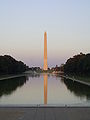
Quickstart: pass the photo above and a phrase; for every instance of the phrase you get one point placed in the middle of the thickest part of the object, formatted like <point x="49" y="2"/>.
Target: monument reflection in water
<point x="45" y="77"/>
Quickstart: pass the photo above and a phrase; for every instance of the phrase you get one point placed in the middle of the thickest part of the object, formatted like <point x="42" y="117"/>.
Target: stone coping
<point x="46" y="106"/>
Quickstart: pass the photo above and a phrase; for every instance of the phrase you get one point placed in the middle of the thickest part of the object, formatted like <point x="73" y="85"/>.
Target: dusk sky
<point x="23" y="23"/>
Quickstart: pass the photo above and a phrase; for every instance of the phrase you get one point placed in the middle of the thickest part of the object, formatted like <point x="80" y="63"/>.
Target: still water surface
<point x="43" y="89"/>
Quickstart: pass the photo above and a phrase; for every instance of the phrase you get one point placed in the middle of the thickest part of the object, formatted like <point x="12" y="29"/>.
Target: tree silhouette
<point x="78" y="64"/>
<point x="9" y="65"/>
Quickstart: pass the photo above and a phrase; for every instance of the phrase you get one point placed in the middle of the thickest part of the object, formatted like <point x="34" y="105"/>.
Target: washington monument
<point x="45" y="52"/>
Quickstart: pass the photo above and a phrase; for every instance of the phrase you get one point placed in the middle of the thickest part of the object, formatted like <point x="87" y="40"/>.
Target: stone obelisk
<point x="45" y="52"/>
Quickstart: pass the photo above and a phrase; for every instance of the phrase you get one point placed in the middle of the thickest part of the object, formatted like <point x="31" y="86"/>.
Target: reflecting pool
<point x="45" y="89"/>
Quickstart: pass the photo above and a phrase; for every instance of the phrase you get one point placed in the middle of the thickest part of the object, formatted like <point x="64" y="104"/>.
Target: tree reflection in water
<point x="10" y="85"/>
<point x="78" y="89"/>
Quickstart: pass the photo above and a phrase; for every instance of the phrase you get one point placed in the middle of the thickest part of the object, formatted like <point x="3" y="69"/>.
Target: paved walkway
<point x="73" y="79"/>
<point x="45" y="113"/>
<point x="12" y="76"/>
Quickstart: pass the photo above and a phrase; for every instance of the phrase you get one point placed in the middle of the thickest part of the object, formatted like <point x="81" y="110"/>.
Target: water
<point x="45" y="89"/>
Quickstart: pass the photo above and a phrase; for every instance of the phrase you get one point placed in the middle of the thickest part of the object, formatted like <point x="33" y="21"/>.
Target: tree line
<point x="8" y="65"/>
<point x="78" y="64"/>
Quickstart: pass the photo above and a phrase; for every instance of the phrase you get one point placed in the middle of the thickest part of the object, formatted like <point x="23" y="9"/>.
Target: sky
<point x="23" y="23"/>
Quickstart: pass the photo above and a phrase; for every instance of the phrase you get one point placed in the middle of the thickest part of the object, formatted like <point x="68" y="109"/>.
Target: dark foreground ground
<point x="45" y="113"/>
